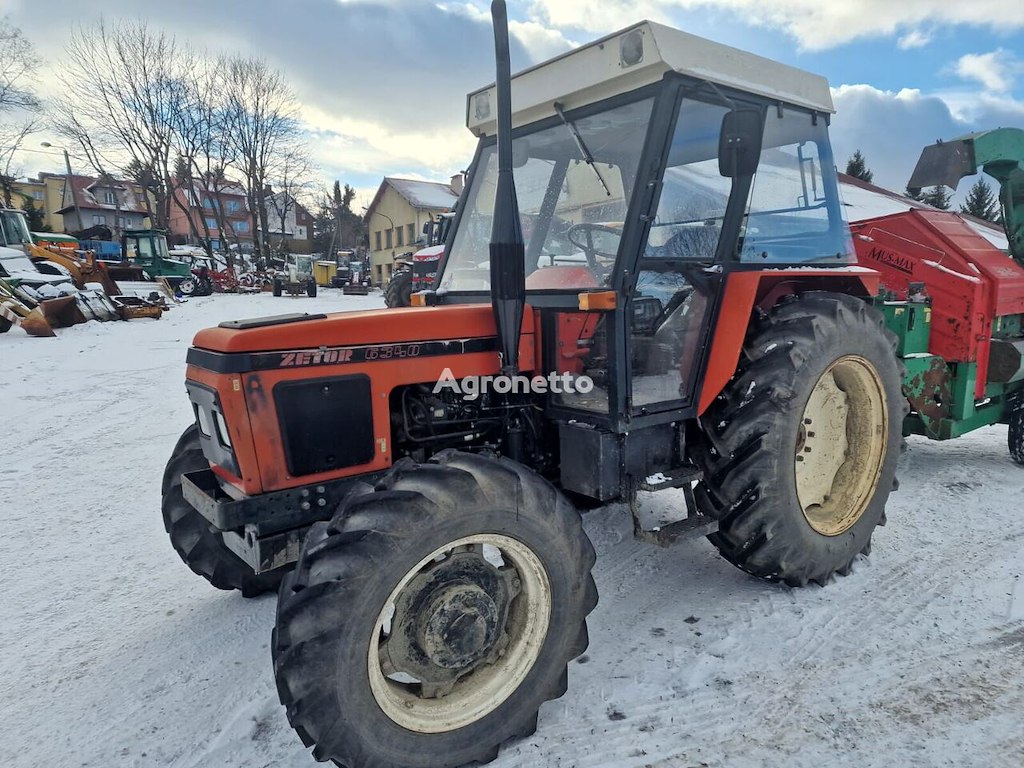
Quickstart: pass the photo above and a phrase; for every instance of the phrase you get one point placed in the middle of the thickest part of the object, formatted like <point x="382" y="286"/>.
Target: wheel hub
<point x="449" y="621"/>
<point x="460" y="626"/>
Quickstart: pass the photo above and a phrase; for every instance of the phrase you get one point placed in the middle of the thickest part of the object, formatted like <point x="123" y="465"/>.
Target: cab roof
<point x="637" y="56"/>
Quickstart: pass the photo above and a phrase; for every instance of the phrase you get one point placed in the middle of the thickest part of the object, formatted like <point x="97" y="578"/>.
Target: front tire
<point x="311" y="289"/>
<point x="400" y="641"/>
<point x="276" y="287"/>
<point x="398" y="292"/>
<point x="201" y="546"/>
<point x="799" y="451"/>
<point x="188" y="286"/>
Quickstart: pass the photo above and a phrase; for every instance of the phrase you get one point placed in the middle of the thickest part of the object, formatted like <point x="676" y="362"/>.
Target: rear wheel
<point x="1015" y="434"/>
<point x="430" y="619"/>
<point x="398" y="292"/>
<point x="800" y="450"/>
<point x="197" y="542"/>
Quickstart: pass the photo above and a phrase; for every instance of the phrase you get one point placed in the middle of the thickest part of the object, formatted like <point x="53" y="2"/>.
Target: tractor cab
<point x="665" y="163"/>
<point x="146" y="249"/>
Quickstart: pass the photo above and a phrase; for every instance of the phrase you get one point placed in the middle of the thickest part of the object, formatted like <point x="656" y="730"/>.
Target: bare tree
<point x="12" y="137"/>
<point x="292" y="181"/>
<point x="122" y="88"/>
<point x="18" y="67"/>
<point x="262" y="114"/>
<point x="201" y="140"/>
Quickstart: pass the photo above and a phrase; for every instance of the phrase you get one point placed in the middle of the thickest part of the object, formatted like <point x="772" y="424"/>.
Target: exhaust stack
<point x="507" y="250"/>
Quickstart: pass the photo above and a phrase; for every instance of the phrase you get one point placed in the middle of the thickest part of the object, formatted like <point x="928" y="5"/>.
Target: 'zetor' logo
<point x="471" y="387"/>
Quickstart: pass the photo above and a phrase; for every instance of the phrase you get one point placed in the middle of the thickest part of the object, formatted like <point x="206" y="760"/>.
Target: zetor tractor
<point x="684" y="312"/>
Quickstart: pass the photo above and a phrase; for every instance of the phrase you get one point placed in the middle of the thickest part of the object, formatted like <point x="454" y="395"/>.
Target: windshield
<point x="794" y="214"/>
<point x="161" y="247"/>
<point x="15" y="230"/>
<point x="571" y="211"/>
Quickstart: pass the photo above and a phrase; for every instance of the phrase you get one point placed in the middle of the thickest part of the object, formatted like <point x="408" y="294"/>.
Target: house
<point x="201" y="206"/>
<point x="46" y="192"/>
<point x="289" y="224"/>
<point x="28" y="193"/>
<point x="115" y="203"/>
<point x="396" y="217"/>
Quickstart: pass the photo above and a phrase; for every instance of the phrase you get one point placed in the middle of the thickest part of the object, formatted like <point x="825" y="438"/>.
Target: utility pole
<point x="69" y="184"/>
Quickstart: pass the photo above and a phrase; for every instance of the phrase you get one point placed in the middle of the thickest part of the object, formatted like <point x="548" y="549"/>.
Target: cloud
<point x="816" y="25"/>
<point x="916" y="38"/>
<point x="892" y="127"/>
<point x="541" y="42"/>
<point x="994" y="70"/>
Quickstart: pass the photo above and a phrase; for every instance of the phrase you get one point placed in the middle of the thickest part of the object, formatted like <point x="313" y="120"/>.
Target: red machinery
<point x="973" y="296"/>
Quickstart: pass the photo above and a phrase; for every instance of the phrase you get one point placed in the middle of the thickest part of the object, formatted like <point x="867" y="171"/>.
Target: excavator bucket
<point x="31" y="321"/>
<point x="944" y="163"/>
<point x="61" y="312"/>
<point x="36" y="324"/>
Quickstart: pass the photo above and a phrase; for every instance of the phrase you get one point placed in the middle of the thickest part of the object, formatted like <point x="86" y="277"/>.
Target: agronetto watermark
<point x="472" y="387"/>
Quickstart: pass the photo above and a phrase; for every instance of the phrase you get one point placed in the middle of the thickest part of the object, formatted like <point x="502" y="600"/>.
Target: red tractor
<point x="649" y="285"/>
<point x="418" y="271"/>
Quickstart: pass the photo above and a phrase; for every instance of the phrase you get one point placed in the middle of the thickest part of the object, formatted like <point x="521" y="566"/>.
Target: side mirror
<point x="520" y="153"/>
<point x="739" y="142"/>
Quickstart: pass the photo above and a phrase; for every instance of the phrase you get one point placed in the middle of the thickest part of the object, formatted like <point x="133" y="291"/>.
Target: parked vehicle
<point x="145" y="256"/>
<point x="417" y="271"/>
<point x="684" y="311"/>
<point x="296" y="278"/>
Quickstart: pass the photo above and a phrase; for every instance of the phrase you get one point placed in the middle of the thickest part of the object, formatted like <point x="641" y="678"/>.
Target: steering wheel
<point x="607" y="246"/>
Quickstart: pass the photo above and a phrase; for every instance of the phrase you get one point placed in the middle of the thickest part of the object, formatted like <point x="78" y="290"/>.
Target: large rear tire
<point x="1015" y="433"/>
<point x="398" y="292"/>
<point x="197" y="542"/>
<point x="799" y="451"/>
<point x="403" y="584"/>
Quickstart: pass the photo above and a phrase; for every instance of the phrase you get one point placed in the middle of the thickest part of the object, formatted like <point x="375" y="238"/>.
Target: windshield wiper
<point x="587" y="157"/>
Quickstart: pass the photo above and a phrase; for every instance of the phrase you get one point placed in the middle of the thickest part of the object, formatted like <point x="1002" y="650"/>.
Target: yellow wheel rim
<point x="841" y="445"/>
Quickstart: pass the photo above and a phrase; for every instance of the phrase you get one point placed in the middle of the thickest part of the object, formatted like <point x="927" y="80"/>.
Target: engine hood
<point x="343" y="329"/>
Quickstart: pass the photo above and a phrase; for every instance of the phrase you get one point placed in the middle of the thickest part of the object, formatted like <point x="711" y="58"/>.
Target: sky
<point x="382" y="83"/>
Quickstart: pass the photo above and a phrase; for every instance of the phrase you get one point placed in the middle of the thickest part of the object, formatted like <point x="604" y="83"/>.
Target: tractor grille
<point x="326" y="424"/>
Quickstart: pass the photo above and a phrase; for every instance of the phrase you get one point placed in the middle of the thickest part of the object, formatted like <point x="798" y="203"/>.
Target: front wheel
<point x="799" y="451"/>
<point x="430" y="619"/>
<point x="311" y="289"/>
<point x="197" y="542"/>
<point x="276" y="287"/>
<point x="188" y="286"/>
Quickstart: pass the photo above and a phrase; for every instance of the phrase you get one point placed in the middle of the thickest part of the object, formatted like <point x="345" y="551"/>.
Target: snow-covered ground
<point x="115" y="654"/>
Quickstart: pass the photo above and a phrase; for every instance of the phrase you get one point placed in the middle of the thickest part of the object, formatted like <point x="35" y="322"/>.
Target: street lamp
<point x="69" y="183"/>
<point x="365" y="210"/>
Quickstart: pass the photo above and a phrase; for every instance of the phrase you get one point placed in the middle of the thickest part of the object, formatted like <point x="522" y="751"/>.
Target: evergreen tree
<point x="36" y="217"/>
<point x="937" y="197"/>
<point x="914" y="194"/>
<point x="857" y="168"/>
<point x="981" y="201"/>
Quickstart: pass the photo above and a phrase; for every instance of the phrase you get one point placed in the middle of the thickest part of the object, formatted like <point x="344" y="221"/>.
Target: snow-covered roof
<point x="423" y="194"/>
<point x="867" y="201"/>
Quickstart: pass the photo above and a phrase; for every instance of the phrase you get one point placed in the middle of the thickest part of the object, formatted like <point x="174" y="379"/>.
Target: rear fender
<point x="747" y="290"/>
